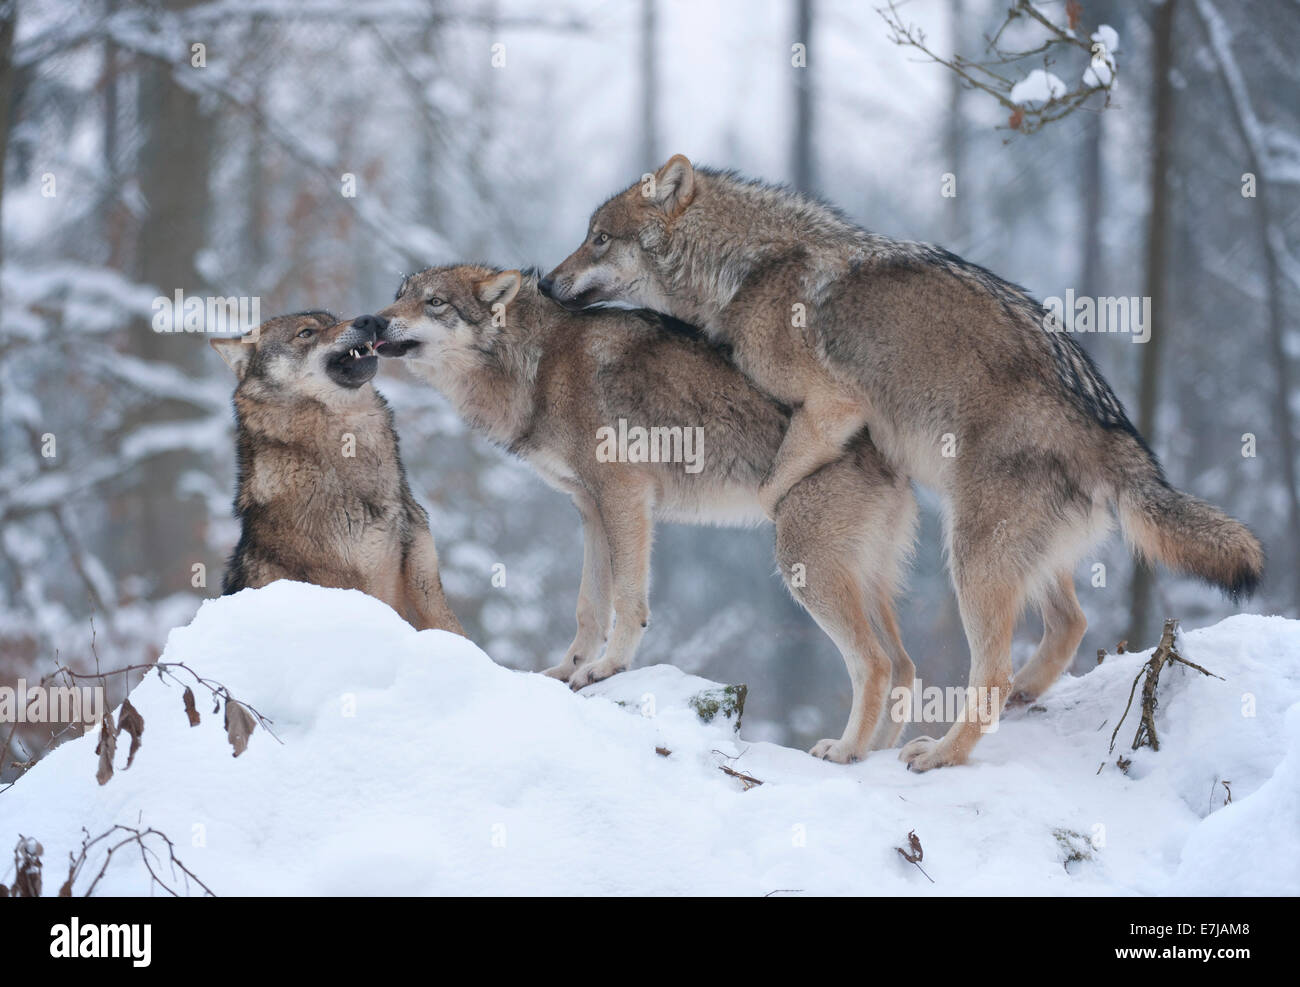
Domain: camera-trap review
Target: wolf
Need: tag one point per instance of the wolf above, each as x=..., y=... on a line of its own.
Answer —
x=322, y=496
x=553, y=387
x=954, y=373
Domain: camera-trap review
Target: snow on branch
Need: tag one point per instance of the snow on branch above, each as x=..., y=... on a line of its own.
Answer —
x=1040, y=96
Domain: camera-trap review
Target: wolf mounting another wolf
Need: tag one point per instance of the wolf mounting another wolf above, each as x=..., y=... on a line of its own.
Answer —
x=955, y=374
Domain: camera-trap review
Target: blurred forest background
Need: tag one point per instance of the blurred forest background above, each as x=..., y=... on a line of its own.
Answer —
x=489, y=131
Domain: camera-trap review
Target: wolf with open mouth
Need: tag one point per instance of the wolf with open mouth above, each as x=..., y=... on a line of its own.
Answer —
x=322, y=495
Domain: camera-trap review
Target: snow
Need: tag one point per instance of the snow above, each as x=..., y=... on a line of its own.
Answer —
x=458, y=776
x=1101, y=69
x=1039, y=86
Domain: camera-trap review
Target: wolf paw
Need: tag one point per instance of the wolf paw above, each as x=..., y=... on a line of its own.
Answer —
x=563, y=671
x=586, y=675
x=839, y=751
x=922, y=754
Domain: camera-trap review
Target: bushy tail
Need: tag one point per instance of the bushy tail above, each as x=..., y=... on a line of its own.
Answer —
x=1184, y=533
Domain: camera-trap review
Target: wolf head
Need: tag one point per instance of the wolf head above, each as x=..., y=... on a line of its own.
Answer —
x=308, y=355
x=472, y=333
x=444, y=315
x=619, y=261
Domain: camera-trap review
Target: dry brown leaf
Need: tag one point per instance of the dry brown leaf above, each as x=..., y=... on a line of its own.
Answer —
x=1017, y=118
x=190, y=709
x=130, y=720
x=1073, y=11
x=239, y=726
x=917, y=854
x=106, y=749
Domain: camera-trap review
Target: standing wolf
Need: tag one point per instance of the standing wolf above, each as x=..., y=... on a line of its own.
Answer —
x=952, y=369
x=547, y=384
x=322, y=494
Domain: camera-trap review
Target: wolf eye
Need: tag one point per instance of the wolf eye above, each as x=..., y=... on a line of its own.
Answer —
x=436, y=302
x=307, y=334
x=602, y=238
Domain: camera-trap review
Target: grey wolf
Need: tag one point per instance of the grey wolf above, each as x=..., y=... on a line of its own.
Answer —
x=955, y=375
x=322, y=496
x=549, y=385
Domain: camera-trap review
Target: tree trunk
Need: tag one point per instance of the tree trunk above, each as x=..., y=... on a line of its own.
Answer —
x=8, y=18
x=258, y=202
x=649, y=87
x=1157, y=235
x=802, y=165
x=1092, y=178
x=169, y=530
x=1271, y=244
x=958, y=225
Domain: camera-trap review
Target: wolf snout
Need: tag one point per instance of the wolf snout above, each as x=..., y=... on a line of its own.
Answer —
x=374, y=325
x=559, y=290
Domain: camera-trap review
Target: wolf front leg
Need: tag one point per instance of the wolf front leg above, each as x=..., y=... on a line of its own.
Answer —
x=595, y=607
x=817, y=434
x=629, y=529
x=425, y=601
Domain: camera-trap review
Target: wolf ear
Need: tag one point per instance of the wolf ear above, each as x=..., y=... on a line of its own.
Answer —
x=500, y=289
x=675, y=185
x=235, y=351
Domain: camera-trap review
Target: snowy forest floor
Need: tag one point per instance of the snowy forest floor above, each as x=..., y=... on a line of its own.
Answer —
x=411, y=764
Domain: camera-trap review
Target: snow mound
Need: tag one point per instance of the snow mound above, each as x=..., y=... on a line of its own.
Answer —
x=411, y=764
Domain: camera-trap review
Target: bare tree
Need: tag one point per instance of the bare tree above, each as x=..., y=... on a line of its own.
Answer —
x=1162, y=126
x=802, y=165
x=958, y=230
x=8, y=19
x=174, y=169
x=1258, y=161
x=649, y=85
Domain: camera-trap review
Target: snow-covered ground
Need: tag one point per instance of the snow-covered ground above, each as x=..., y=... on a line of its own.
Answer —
x=411, y=764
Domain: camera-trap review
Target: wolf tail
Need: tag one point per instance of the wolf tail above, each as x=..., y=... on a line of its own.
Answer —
x=1179, y=530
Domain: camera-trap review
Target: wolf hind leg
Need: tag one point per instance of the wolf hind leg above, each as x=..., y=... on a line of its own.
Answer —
x=1063, y=628
x=836, y=545
x=837, y=603
x=903, y=680
x=989, y=608
x=990, y=548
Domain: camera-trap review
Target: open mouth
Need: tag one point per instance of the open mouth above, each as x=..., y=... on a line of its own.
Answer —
x=353, y=367
x=397, y=349
x=368, y=350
